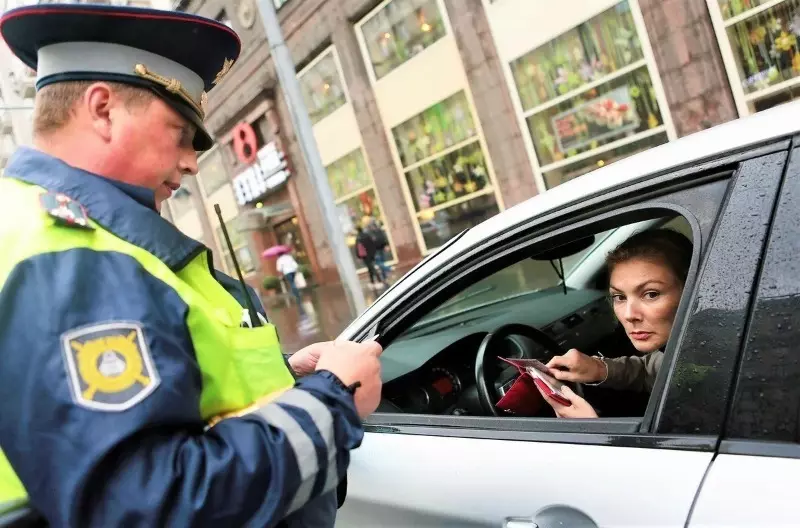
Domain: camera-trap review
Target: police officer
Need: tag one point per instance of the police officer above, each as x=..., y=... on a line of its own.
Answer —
x=130, y=392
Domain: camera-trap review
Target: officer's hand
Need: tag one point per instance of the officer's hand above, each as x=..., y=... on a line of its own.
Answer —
x=352, y=362
x=304, y=361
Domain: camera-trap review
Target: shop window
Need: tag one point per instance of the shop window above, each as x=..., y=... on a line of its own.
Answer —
x=355, y=197
x=322, y=88
x=734, y=8
x=211, y=172
x=401, y=30
x=765, y=47
x=240, y=247
x=573, y=170
x=445, y=169
x=588, y=92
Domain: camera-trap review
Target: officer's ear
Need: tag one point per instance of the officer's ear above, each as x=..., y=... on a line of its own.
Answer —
x=100, y=106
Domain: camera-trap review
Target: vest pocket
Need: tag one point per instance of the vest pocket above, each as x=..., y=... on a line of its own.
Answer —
x=260, y=371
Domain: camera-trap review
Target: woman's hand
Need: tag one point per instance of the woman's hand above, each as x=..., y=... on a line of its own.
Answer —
x=577, y=367
x=580, y=408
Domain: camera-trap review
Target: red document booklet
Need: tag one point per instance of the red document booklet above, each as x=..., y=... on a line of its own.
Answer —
x=523, y=398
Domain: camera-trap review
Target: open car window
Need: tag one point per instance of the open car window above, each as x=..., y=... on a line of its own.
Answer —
x=431, y=368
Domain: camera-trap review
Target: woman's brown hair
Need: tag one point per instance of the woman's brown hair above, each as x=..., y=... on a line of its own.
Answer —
x=662, y=245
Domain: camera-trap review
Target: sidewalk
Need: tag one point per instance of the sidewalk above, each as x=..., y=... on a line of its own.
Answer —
x=327, y=315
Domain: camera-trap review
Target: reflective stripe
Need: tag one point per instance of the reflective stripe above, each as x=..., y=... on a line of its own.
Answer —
x=323, y=420
x=302, y=445
x=13, y=505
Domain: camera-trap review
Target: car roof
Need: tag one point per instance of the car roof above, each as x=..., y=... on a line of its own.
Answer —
x=772, y=124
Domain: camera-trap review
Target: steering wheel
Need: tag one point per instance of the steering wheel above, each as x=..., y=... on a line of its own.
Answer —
x=485, y=369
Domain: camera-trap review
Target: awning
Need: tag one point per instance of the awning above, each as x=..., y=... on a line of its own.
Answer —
x=257, y=219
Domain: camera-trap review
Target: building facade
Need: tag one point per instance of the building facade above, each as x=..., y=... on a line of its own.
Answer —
x=433, y=115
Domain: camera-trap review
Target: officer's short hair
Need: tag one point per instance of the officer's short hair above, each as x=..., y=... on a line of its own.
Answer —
x=55, y=102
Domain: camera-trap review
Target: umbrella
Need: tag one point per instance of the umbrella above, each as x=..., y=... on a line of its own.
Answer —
x=275, y=251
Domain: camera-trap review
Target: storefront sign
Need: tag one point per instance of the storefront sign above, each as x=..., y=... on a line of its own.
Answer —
x=611, y=114
x=245, y=143
x=267, y=173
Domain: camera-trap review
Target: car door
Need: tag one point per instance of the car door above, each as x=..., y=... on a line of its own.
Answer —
x=434, y=470
x=755, y=479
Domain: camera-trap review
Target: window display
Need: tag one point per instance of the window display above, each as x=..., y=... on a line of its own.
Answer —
x=764, y=45
x=454, y=175
x=564, y=174
x=445, y=169
x=440, y=225
x=355, y=198
x=348, y=174
x=587, y=53
x=588, y=89
x=734, y=8
x=441, y=126
x=621, y=108
x=322, y=88
x=399, y=31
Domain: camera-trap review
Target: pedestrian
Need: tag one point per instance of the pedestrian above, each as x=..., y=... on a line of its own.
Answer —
x=381, y=248
x=131, y=393
x=365, y=248
x=288, y=267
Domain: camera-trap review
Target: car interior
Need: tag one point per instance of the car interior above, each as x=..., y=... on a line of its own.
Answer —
x=448, y=361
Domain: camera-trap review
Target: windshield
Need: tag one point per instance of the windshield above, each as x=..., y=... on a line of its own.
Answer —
x=524, y=277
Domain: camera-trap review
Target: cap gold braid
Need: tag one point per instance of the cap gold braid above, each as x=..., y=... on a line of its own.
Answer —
x=172, y=86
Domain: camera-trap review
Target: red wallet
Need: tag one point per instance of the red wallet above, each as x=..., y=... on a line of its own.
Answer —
x=523, y=398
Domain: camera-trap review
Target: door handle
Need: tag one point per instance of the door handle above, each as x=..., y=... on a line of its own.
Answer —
x=519, y=522
x=554, y=516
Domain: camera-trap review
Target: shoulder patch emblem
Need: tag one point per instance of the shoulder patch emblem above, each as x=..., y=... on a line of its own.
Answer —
x=65, y=210
x=109, y=366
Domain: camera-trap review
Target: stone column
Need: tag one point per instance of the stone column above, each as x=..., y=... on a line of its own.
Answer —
x=376, y=143
x=689, y=63
x=493, y=102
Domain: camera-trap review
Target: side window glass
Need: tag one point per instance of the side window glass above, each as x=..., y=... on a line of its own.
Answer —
x=705, y=353
x=767, y=401
x=620, y=322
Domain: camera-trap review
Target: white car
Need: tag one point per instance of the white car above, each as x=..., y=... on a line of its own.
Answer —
x=714, y=444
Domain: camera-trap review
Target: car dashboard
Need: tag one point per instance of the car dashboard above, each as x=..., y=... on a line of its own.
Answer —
x=431, y=368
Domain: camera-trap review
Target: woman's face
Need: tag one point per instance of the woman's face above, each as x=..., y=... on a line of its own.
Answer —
x=645, y=294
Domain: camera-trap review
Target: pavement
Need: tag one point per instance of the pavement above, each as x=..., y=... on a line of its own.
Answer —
x=327, y=313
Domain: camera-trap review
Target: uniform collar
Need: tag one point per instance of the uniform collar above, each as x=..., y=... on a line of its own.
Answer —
x=125, y=210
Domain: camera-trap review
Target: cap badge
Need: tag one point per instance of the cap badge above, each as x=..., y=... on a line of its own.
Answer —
x=226, y=67
x=172, y=86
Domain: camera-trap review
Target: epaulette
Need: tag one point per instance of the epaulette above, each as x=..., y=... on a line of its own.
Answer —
x=65, y=210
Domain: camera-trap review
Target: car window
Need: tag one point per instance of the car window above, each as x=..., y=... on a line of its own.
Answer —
x=433, y=367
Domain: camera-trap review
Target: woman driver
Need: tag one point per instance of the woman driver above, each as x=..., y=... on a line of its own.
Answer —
x=647, y=273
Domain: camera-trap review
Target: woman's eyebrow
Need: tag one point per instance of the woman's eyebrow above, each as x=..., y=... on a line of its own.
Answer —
x=639, y=286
